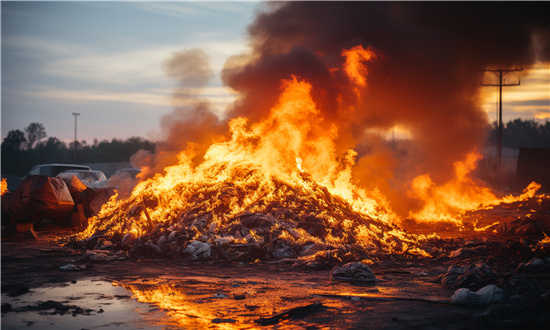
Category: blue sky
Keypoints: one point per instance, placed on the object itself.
(104, 61)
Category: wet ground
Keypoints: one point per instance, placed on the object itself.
(174, 294)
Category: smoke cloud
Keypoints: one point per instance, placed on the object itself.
(426, 79)
(191, 126)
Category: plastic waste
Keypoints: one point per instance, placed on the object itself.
(73, 267)
(353, 271)
(478, 274)
(198, 250)
(483, 297)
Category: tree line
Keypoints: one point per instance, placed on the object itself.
(22, 149)
(519, 133)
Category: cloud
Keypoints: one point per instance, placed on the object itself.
(530, 99)
(195, 9)
(89, 65)
(219, 97)
(33, 46)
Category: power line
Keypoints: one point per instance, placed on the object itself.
(500, 73)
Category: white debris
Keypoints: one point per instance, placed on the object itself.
(198, 250)
(220, 295)
(73, 267)
(483, 297)
(224, 240)
(456, 253)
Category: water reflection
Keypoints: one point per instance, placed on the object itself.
(83, 304)
(213, 302)
(229, 303)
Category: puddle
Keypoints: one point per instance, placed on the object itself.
(198, 302)
(86, 304)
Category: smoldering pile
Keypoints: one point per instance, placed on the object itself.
(304, 224)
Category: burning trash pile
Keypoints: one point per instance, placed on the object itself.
(256, 196)
(280, 188)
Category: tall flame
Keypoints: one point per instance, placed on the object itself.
(287, 158)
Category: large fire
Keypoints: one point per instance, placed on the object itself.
(281, 180)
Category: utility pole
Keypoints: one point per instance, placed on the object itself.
(75, 114)
(500, 73)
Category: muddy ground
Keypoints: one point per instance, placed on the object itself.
(170, 294)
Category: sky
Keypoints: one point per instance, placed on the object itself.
(104, 60)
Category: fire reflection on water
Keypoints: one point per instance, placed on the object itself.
(231, 303)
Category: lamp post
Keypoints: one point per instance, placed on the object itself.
(75, 114)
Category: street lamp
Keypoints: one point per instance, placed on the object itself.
(75, 114)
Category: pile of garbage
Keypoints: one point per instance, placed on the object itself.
(304, 223)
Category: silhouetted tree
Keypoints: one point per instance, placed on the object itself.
(54, 151)
(13, 141)
(519, 133)
(35, 132)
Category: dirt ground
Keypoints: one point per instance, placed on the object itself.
(171, 294)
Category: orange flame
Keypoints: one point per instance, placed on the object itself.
(354, 65)
(289, 154)
(462, 193)
(4, 186)
(289, 160)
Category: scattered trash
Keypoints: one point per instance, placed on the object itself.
(382, 298)
(483, 297)
(223, 321)
(523, 226)
(522, 285)
(197, 250)
(103, 255)
(479, 274)
(456, 253)
(73, 267)
(293, 313)
(354, 272)
(220, 295)
(535, 265)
